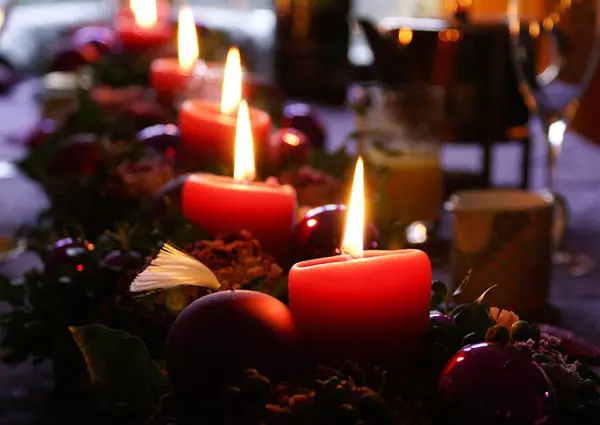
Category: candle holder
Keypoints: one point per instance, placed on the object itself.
(399, 132)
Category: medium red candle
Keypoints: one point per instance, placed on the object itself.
(228, 205)
(370, 306)
(168, 76)
(208, 128)
(145, 23)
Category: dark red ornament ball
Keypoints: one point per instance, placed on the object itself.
(320, 233)
(80, 155)
(494, 384)
(289, 146)
(302, 117)
(218, 336)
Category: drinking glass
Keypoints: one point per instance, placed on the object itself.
(399, 133)
(554, 47)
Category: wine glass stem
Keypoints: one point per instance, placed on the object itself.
(555, 132)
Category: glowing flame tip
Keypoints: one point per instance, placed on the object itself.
(187, 39)
(232, 82)
(243, 167)
(355, 220)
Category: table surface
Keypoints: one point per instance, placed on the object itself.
(576, 300)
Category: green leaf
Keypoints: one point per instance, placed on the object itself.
(474, 318)
(116, 358)
(11, 293)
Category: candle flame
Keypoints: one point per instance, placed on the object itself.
(232, 82)
(355, 220)
(243, 167)
(145, 12)
(187, 39)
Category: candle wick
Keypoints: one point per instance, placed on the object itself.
(352, 253)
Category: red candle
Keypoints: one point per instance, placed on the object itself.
(208, 128)
(168, 76)
(228, 205)
(372, 307)
(144, 24)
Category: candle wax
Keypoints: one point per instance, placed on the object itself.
(373, 309)
(207, 134)
(219, 205)
(134, 36)
(167, 77)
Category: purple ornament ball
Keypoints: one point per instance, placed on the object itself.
(160, 137)
(437, 317)
(495, 385)
(302, 117)
(320, 233)
(289, 146)
(218, 336)
(103, 39)
(169, 196)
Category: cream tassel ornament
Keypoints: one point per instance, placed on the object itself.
(172, 268)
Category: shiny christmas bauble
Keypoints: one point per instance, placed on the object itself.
(160, 137)
(103, 39)
(64, 250)
(302, 117)
(218, 336)
(79, 155)
(437, 317)
(168, 197)
(494, 384)
(117, 260)
(289, 146)
(70, 57)
(320, 233)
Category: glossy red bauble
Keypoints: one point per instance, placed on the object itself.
(302, 117)
(289, 146)
(218, 336)
(494, 385)
(320, 233)
(80, 155)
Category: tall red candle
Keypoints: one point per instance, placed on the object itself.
(168, 76)
(372, 307)
(145, 23)
(228, 205)
(207, 127)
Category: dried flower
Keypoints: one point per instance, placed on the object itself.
(236, 260)
(505, 318)
(139, 179)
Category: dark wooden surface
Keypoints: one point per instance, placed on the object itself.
(576, 300)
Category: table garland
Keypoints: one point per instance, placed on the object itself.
(110, 218)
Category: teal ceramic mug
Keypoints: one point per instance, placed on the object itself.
(504, 238)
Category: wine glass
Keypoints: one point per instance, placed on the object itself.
(555, 47)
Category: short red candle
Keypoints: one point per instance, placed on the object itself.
(208, 134)
(371, 309)
(220, 204)
(134, 36)
(167, 77)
